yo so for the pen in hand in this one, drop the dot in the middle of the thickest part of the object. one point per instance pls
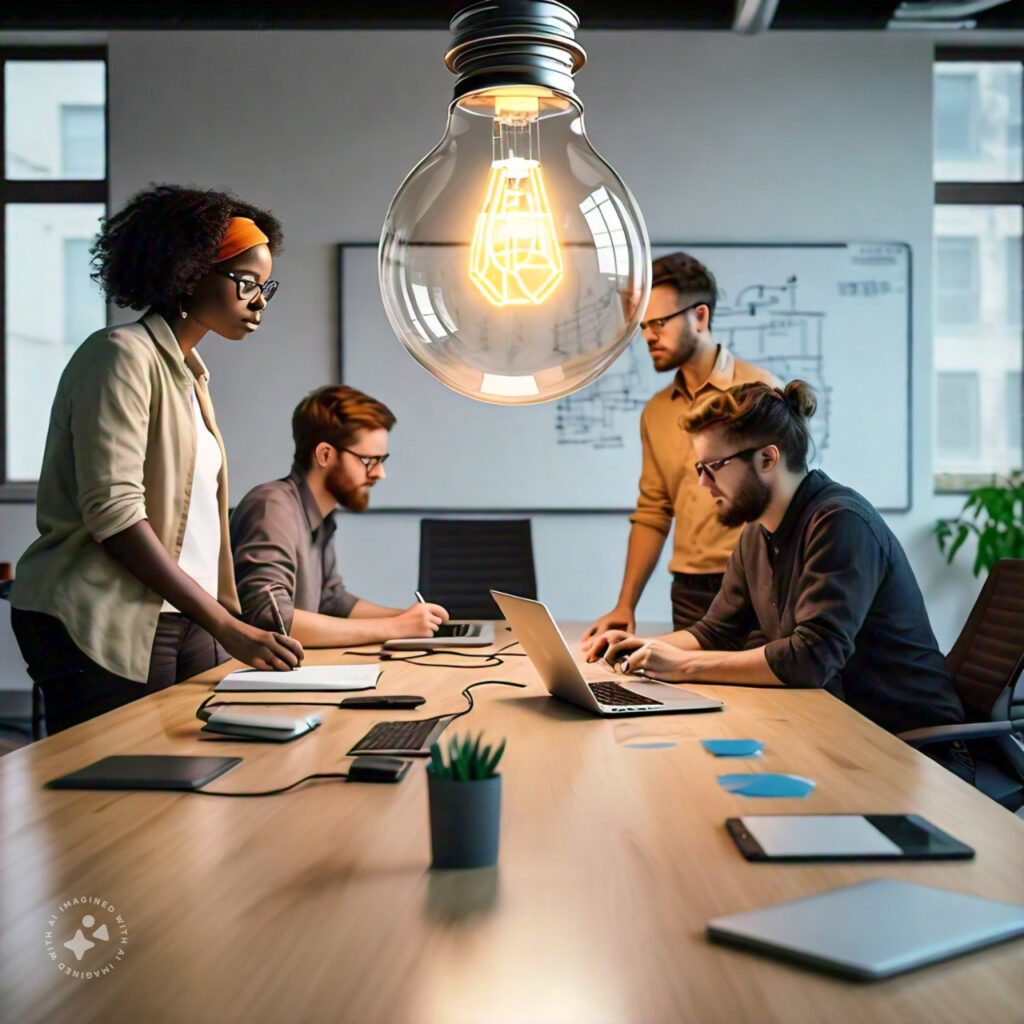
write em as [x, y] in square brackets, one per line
[420, 597]
[277, 615]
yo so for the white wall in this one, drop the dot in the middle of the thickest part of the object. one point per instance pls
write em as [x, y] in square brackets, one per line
[788, 137]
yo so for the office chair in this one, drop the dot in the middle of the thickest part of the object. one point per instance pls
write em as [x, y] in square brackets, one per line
[461, 560]
[987, 666]
[37, 693]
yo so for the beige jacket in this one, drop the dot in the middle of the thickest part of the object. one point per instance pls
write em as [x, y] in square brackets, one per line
[668, 482]
[120, 448]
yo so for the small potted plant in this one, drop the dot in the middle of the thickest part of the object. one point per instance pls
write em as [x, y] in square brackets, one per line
[465, 803]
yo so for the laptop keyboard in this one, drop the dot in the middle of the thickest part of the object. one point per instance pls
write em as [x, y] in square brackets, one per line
[411, 738]
[458, 629]
[618, 696]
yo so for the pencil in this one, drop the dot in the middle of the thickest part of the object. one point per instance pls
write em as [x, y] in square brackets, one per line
[277, 614]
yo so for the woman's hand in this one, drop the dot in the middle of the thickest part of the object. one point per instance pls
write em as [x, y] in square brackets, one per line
[258, 648]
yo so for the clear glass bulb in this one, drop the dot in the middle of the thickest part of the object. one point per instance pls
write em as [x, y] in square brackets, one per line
[514, 263]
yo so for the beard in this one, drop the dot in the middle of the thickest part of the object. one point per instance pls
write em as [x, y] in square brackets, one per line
[354, 497]
[749, 503]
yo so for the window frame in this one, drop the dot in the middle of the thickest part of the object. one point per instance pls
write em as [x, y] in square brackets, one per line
[975, 193]
[48, 191]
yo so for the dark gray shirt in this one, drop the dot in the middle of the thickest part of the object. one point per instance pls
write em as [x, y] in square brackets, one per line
[833, 592]
[279, 537]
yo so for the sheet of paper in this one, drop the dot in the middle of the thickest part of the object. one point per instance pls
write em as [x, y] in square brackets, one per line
[306, 677]
[768, 784]
[822, 835]
[733, 748]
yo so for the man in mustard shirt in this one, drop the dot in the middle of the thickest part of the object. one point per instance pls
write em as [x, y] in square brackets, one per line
[677, 330]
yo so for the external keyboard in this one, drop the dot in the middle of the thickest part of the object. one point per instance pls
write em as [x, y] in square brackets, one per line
[412, 739]
[618, 696]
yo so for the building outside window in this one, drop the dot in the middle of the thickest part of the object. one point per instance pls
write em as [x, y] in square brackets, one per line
[53, 194]
[979, 216]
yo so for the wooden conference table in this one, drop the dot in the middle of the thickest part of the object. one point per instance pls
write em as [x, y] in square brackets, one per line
[318, 905]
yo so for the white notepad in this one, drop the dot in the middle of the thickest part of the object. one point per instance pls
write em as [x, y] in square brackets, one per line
[325, 678]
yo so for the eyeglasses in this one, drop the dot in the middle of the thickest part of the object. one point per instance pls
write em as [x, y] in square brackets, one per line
[247, 288]
[659, 321]
[712, 466]
[370, 462]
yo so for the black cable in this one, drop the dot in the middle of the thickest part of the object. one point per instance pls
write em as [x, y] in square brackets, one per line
[469, 696]
[257, 704]
[274, 792]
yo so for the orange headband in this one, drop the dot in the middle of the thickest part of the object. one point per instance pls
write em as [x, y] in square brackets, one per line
[242, 234]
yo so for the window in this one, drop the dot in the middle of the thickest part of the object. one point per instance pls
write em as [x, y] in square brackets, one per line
[957, 421]
[979, 237]
[53, 194]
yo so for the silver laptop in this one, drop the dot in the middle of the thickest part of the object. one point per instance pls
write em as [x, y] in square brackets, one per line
[450, 634]
[872, 929]
[546, 648]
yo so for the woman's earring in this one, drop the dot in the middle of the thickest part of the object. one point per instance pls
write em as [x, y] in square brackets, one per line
[184, 315]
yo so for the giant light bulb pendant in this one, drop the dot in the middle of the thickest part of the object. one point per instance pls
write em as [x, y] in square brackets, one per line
[514, 263]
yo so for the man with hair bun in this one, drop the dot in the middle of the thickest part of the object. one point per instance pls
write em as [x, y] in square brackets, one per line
[282, 532]
[816, 571]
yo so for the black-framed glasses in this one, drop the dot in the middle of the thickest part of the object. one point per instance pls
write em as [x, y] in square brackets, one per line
[659, 321]
[247, 288]
[370, 462]
[712, 466]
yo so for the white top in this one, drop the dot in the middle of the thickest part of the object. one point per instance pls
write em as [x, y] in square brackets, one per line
[200, 549]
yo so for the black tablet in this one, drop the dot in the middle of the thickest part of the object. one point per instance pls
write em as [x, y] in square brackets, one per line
[794, 837]
[147, 771]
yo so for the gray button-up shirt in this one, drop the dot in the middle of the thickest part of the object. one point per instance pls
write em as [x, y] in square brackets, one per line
[279, 538]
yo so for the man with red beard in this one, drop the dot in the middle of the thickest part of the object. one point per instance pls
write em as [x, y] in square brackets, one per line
[282, 532]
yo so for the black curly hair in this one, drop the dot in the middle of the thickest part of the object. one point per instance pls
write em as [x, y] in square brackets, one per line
[155, 250]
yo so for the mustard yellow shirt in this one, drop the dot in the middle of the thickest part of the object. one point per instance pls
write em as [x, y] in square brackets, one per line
[121, 447]
[668, 484]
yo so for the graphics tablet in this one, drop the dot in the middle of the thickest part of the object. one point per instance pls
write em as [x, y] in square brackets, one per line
[772, 837]
[147, 771]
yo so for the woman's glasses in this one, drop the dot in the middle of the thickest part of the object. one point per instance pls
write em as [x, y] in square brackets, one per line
[247, 288]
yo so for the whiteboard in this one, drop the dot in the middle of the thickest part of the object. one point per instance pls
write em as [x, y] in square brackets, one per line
[835, 315]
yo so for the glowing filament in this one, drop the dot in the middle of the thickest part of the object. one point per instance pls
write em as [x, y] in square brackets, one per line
[515, 258]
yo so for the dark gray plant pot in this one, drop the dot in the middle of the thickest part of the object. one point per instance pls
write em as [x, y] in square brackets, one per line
[464, 822]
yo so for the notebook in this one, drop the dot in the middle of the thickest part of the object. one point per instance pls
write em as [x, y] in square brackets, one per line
[306, 678]
[872, 929]
[147, 771]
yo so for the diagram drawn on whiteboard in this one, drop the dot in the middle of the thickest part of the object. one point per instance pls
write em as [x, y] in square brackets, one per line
[763, 324]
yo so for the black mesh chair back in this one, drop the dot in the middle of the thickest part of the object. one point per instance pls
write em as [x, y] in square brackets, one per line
[461, 560]
[988, 656]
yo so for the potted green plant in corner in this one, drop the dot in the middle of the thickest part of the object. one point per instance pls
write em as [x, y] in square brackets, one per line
[465, 803]
[995, 515]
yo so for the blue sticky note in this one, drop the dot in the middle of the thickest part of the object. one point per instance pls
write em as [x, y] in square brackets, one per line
[733, 748]
[766, 785]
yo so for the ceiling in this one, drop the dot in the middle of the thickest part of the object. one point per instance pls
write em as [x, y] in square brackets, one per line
[423, 14]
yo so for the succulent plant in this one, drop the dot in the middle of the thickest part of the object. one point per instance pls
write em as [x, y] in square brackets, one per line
[467, 761]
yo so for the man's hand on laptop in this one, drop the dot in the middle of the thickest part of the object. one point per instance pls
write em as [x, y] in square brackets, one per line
[653, 659]
[422, 619]
[621, 617]
[597, 646]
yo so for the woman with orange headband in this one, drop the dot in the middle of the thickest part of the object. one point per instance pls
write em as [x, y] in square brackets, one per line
[130, 588]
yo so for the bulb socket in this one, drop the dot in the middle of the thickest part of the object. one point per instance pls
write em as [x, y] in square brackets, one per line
[514, 42]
